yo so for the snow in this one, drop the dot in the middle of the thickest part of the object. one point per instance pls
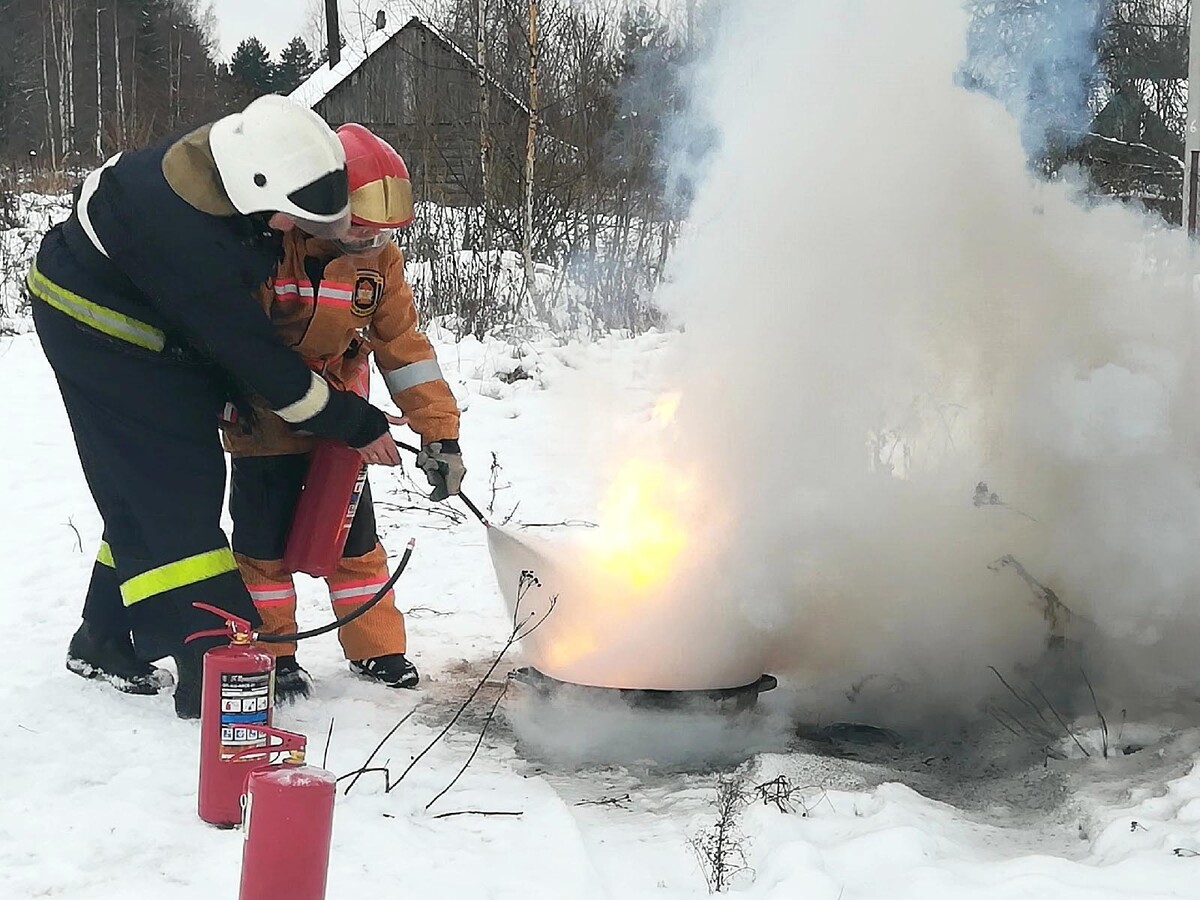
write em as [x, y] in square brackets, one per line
[97, 795]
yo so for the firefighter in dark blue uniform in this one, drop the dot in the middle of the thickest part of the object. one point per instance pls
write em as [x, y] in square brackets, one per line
[145, 304]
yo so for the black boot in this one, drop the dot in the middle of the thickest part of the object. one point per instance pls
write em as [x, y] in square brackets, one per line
[393, 670]
[189, 663]
[110, 658]
[292, 682]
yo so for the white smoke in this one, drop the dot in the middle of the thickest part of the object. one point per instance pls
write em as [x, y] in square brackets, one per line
[917, 382]
[884, 309]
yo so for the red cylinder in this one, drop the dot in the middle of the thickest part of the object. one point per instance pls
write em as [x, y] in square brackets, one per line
[289, 825]
[238, 692]
[332, 489]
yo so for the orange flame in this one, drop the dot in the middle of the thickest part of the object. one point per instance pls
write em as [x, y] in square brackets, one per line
[638, 546]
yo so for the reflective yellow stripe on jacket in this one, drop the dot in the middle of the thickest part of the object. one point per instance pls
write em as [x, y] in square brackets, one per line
[180, 573]
[101, 318]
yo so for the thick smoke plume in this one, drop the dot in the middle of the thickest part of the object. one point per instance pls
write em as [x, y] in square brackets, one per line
[919, 387]
[1039, 58]
[883, 312]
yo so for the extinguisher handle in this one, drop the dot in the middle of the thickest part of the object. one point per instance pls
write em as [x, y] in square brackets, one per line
[211, 632]
[289, 741]
[234, 625]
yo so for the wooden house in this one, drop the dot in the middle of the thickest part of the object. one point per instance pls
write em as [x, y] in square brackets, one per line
[419, 90]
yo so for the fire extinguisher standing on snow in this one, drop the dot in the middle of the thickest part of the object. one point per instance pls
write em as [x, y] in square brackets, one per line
[333, 487]
[288, 826]
[236, 698]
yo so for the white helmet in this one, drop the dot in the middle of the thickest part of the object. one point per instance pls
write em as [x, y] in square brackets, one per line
[278, 156]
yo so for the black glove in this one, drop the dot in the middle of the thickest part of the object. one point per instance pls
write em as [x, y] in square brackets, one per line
[442, 463]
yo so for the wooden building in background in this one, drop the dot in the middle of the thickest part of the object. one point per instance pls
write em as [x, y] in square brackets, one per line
[416, 88]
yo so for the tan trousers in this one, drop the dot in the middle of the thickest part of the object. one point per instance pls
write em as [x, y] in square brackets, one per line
[379, 632]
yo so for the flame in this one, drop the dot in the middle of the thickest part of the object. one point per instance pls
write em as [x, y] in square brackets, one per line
[570, 648]
[641, 528]
[642, 536]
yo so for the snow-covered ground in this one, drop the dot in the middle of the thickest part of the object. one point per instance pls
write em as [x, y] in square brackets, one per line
[97, 795]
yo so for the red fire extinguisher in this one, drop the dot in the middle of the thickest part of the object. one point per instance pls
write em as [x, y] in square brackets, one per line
[332, 489]
[288, 826]
[237, 695]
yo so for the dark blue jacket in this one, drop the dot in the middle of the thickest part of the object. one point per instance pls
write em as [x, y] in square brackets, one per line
[134, 246]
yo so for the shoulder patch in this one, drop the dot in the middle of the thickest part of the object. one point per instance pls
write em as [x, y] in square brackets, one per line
[368, 291]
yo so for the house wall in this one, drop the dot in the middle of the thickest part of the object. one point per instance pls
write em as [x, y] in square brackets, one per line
[423, 97]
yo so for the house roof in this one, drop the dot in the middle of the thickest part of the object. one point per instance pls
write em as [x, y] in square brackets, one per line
[321, 83]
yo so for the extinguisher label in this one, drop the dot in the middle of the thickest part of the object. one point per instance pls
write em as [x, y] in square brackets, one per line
[245, 700]
[352, 508]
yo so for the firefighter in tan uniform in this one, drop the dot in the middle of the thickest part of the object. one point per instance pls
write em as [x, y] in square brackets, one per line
[337, 303]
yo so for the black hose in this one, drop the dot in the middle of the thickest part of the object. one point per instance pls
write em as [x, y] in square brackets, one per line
[348, 618]
[370, 604]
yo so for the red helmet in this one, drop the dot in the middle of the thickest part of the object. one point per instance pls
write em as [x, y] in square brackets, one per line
[380, 189]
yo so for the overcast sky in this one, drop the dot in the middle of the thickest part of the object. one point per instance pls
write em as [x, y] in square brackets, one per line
[274, 22]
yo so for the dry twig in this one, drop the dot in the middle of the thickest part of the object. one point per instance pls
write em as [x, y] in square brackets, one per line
[493, 483]
[1066, 727]
[78, 538]
[363, 769]
[328, 741]
[527, 583]
[521, 629]
[720, 848]
[470, 759]
[1096, 704]
[620, 802]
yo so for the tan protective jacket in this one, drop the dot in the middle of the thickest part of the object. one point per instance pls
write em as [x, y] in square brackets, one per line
[362, 305]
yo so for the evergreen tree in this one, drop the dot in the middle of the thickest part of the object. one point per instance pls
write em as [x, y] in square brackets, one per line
[252, 67]
[296, 63]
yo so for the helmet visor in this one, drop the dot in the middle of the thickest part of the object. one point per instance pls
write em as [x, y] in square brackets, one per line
[325, 199]
[331, 231]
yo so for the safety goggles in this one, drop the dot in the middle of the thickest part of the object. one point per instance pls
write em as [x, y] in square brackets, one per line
[365, 240]
[333, 231]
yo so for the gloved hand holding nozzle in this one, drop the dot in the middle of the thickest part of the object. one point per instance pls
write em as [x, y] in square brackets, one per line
[442, 463]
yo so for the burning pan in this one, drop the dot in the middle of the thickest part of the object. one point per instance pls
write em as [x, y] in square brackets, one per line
[743, 697]
[580, 625]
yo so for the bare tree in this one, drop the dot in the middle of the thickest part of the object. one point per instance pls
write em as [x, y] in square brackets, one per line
[47, 30]
[66, 73]
[122, 125]
[485, 99]
[98, 146]
[530, 158]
